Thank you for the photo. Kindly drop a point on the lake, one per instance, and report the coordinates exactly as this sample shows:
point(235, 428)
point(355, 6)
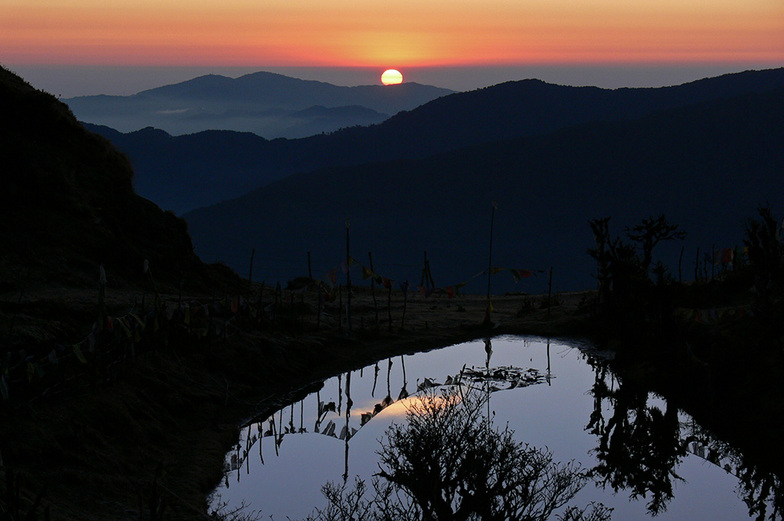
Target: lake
point(554, 395)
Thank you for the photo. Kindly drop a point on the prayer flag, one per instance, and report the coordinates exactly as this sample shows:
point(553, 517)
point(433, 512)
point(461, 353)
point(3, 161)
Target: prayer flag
point(78, 353)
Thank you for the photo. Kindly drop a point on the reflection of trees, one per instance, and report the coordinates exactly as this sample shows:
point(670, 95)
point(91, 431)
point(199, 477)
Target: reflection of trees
point(760, 489)
point(639, 446)
point(447, 462)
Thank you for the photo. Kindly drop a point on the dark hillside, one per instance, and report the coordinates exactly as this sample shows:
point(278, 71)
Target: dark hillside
point(185, 172)
point(706, 166)
point(68, 205)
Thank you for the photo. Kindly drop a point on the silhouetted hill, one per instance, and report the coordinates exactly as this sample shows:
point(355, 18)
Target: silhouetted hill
point(185, 172)
point(706, 166)
point(267, 104)
point(67, 203)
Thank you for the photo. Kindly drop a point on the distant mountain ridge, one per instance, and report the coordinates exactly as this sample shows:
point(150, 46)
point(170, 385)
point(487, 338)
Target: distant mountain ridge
point(707, 166)
point(185, 172)
point(270, 105)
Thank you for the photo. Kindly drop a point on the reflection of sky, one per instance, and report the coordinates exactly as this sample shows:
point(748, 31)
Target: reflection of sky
point(552, 416)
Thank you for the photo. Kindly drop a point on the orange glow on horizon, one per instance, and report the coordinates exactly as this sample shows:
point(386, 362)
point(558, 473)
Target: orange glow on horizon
point(411, 33)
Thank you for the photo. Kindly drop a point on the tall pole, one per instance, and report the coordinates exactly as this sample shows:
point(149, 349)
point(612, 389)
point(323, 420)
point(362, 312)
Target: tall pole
point(487, 321)
point(348, 276)
point(373, 285)
point(490, 256)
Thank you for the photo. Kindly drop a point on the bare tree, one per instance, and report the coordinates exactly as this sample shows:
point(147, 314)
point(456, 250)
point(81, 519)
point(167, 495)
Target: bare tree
point(447, 462)
point(455, 466)
point(652, 231)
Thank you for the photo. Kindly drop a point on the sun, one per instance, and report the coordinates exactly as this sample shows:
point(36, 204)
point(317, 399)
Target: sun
point(391, 77)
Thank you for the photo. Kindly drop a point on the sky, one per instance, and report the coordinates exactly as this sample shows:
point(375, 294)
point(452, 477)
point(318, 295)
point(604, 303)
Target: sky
point(351, 38)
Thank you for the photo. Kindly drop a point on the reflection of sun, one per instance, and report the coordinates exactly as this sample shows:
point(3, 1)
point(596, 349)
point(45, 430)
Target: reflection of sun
point(391, 77)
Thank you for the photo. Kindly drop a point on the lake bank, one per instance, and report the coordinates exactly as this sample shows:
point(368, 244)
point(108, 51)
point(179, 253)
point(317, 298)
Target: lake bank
point(160, 430)
point(155, 437)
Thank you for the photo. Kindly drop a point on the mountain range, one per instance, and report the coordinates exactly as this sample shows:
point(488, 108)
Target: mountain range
point(705, 154)
point(182, 173)
point(267, 104)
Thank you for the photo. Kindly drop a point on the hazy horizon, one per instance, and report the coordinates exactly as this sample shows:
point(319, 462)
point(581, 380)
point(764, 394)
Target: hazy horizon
point(68, 81)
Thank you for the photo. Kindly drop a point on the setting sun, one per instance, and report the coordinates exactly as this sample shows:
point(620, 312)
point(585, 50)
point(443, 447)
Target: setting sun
point(391, 77)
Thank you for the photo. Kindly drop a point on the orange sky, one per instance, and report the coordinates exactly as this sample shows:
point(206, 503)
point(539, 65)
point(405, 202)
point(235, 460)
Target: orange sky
point(389, 33)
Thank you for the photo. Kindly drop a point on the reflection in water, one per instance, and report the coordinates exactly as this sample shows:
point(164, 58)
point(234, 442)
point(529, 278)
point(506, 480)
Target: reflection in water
point(638, 443)
point(639, 446)
point(762, 491)
point(448, 462)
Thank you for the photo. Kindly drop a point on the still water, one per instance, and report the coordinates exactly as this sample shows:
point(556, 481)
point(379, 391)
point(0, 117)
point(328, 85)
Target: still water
point(554, 395)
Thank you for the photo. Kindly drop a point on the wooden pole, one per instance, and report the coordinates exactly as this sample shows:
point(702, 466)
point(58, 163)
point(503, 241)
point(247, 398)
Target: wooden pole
point(680, 264)
point(348, 276)
point(404, 287)
point(373, 285)
point(389, 306)
point(490, 255)
point(340, 307)
point(549, 292)
point(250, 269)
point(487, 321)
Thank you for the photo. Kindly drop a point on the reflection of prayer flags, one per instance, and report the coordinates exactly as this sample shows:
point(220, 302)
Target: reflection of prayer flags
point(366, 273)
point(387, 283)
point(423, 291)
point(450, 291)
point(726, 255)
point(493, 271)
point(377, 278)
